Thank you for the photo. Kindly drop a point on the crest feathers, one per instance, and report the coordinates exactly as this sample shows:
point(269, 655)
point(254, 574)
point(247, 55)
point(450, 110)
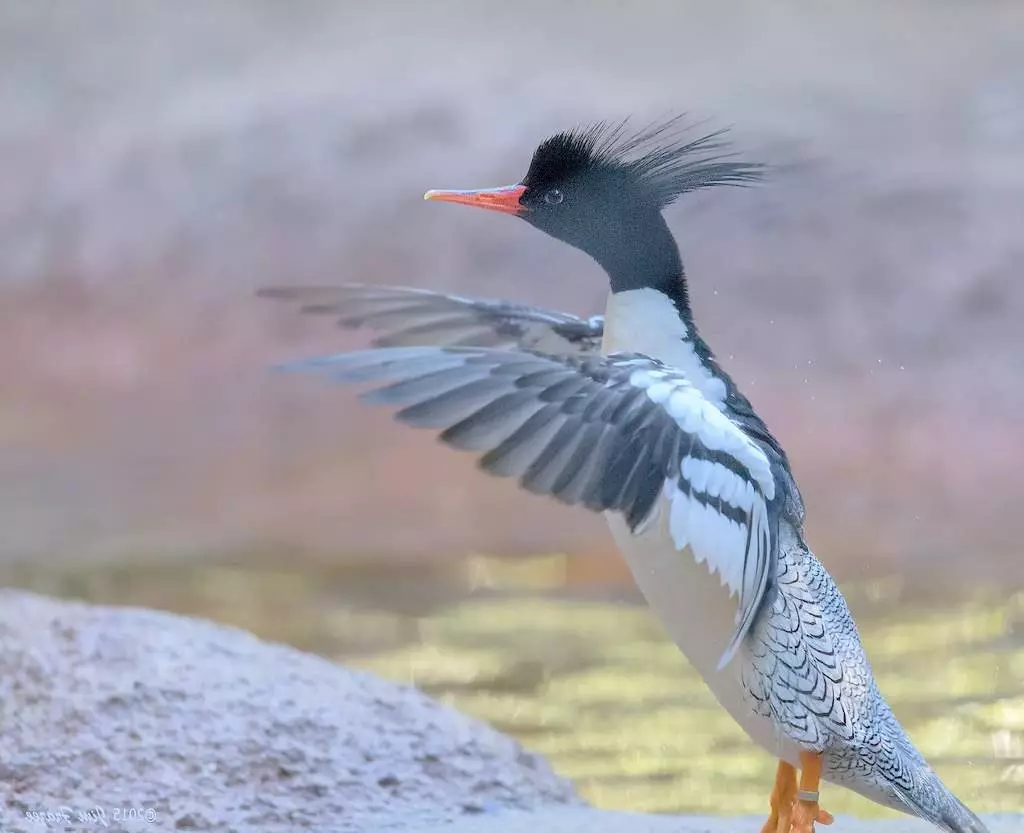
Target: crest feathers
point(663, 158)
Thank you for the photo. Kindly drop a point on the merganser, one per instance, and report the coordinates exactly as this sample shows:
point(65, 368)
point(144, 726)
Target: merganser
point(630, 415)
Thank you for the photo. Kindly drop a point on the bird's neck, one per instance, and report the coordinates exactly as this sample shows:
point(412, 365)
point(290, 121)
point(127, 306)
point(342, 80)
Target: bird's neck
point(649, 310)
point(642, 254)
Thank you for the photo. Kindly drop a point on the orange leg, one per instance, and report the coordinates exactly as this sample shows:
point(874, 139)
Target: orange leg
point(782, 798)
point(806, 810)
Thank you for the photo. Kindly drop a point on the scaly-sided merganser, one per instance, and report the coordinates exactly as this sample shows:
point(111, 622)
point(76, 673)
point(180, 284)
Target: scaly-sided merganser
point(630, 415)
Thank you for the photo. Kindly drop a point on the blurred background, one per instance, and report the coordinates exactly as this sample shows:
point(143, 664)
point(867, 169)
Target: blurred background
point(161, 162)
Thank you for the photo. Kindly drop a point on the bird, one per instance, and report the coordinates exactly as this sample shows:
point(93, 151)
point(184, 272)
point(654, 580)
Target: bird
point(630, 414)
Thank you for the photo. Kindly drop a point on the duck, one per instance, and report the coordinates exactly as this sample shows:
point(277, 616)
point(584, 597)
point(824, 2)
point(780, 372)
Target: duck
point(629, 414)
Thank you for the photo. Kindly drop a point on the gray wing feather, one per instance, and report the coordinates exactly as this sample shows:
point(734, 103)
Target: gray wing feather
point(611, 433)
point(407, 316)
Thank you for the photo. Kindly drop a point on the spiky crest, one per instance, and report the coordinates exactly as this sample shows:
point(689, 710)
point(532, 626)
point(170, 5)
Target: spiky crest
point(663, 157)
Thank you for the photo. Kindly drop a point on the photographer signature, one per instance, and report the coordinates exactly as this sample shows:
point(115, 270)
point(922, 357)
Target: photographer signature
point(96, 816)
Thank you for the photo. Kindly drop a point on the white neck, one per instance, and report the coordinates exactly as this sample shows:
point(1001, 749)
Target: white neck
point(646, 321)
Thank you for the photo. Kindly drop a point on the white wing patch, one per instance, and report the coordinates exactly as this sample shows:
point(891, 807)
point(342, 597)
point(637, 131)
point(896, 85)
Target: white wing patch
point(695, 415)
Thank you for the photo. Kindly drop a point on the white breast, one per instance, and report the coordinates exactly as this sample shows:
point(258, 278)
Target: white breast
point(646, 321)
point(697, 612)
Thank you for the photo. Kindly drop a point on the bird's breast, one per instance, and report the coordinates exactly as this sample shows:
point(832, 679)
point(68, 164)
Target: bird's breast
point(646, 321)
point(697, 612)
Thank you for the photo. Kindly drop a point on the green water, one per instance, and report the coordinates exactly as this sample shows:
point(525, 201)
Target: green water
point(593, 684)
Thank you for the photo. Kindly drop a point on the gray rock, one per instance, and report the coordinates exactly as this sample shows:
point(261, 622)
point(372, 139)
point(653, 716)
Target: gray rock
point(208, 728)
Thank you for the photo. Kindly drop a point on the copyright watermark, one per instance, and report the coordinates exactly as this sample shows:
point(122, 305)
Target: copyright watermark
point(96, 816)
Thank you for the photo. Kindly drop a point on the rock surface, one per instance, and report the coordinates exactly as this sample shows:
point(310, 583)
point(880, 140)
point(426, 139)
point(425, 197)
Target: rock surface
point(188, 725)
point(210, 729)
point(586, 820)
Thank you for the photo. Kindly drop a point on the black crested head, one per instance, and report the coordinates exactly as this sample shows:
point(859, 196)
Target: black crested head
point(658, 163)
point(602, 189)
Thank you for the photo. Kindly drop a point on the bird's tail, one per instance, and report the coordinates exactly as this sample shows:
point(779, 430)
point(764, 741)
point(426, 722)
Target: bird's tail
point(932, 800)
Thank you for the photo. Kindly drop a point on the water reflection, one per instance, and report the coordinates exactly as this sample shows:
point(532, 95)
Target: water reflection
point(589, 679)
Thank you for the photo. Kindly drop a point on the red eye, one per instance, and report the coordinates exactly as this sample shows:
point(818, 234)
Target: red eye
point(554, 197)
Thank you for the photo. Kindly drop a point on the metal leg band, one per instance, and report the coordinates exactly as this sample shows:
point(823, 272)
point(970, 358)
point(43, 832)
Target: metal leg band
point(807, 795)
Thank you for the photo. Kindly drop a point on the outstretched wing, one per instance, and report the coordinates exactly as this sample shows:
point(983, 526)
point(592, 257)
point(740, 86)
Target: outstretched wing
point(608, 432)
point(409, 316)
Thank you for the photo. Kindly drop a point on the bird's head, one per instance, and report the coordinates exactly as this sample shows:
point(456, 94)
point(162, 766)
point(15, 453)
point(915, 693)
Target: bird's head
point(602, 188)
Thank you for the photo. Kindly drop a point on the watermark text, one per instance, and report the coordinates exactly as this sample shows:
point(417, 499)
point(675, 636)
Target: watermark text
point(95, 816)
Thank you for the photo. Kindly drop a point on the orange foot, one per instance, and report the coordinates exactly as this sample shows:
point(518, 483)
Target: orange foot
point(806, 810)
point(805, 814)
point(782, 799)
point(792, 813)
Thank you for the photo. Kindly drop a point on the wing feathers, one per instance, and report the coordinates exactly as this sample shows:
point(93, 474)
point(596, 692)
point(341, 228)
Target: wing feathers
point(493, 423)
point(452, 406)
point(423, 387)
point(613, 433)
point(513, 456)
point(408, 316)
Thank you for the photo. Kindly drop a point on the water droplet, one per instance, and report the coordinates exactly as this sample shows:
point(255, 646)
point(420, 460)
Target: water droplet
point(902, 367)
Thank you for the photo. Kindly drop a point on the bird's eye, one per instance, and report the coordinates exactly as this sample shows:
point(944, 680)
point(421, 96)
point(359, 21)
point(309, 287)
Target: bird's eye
point(554, 197)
